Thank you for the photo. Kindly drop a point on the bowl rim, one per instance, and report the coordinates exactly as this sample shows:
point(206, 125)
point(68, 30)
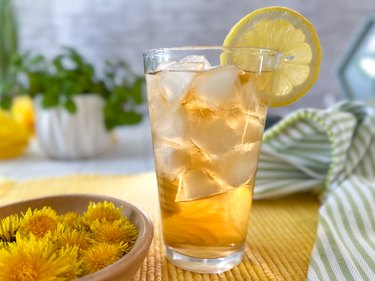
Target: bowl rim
point(141, 245)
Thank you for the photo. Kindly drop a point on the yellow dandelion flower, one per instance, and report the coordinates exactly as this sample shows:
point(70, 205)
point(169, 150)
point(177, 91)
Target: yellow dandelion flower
point(39, 222)
point(32, 259)
point(102, 211)
point(119, 231)
point(8, 228)
point(70, 219)
point(54, 236)
point(99, 256)
point(75, 237)
point(70, 256)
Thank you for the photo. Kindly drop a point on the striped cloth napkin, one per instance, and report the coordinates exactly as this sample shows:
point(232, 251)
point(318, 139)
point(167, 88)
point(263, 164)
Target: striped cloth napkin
point(331, 152)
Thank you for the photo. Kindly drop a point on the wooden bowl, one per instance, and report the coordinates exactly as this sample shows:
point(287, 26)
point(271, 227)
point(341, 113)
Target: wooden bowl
point(124, 268)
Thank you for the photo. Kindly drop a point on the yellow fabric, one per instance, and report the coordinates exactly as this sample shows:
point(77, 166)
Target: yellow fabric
point(280, 239)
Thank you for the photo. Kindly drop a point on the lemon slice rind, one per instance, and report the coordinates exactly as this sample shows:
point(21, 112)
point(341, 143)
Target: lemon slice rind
point(294, 37)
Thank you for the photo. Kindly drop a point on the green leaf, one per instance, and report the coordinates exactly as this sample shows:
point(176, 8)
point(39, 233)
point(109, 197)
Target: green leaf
point(75, 56)
point(70, 106)
point(37, 60)
point(57, 81)
point(51, 96)
point(129, 118)
point(99, 88)
point(121, 118)
point(49, 101)
point(36, 83)
point(5, 102)
point(88, 70)
point(121, 93)
point(57, 62)
point(68, 88)
point(137, 91)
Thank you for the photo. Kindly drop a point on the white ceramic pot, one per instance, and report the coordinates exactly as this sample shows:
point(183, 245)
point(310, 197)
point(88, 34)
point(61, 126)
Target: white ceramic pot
point(80, 135)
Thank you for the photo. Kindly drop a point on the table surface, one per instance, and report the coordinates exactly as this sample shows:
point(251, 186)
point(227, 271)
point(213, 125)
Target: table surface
point(270, 255)
point(131, 154)
point(280, 238)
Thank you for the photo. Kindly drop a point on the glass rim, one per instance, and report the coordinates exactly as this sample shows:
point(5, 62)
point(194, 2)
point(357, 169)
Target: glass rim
point(263, 51)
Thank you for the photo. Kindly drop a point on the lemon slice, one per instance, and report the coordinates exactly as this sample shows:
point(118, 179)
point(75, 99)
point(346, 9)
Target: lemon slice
point(294, 37)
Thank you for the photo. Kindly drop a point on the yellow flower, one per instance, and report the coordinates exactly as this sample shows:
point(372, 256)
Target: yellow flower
point(70, 256)
point(42, 246)
point(8, 228)
point(74, 237)
point(102, 211)
point(119, 231)
point(99, 256)
point(32, 259)
point(70, 219)
point(39, 222)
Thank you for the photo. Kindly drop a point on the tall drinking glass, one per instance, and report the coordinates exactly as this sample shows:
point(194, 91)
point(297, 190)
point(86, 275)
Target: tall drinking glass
point(207, 108)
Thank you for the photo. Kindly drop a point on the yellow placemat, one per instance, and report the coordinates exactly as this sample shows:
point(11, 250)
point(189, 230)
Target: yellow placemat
point(280, 239)
point(5, 185)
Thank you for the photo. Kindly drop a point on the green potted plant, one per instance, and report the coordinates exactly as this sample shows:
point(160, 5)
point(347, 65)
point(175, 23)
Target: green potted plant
point(8, 47)
point(76, 110)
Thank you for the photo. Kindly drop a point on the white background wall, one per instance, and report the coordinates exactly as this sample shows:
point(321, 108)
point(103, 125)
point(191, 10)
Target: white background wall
point(103, 29)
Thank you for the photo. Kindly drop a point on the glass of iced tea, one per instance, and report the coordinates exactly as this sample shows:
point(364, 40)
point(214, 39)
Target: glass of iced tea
point(207, 115)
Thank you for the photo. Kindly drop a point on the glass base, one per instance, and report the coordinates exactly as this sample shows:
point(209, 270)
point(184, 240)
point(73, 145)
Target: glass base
point(200, 265)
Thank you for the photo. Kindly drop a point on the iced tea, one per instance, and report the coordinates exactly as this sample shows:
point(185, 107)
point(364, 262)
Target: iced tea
point(207, 132)
point(207, 124)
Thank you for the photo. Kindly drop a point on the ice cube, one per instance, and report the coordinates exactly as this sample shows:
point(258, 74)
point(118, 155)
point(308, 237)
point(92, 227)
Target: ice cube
point(197, 184)
point(171, 124)
point(253, 99)
point(167, 195)
point(197, 59)
point(236, 167)
point(168, 118)
point(175, 84)
point(221, 131)
point(247, 126)
point(164, 65)
point(213, 135)
point(156, 101)
point(216, 87)
point(171, 161)
point(177, 77)
point(186, 66)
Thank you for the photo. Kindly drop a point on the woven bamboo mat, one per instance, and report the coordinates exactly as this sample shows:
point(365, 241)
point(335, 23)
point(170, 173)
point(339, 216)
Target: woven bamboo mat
point(280, 236)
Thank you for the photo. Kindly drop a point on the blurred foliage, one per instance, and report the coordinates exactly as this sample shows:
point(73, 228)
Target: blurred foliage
point(8, 38)
point(127, 90)
point(8, 47)
point(69, 74)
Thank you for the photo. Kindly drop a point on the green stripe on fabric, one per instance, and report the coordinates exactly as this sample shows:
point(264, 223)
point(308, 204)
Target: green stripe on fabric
point(335, 150)
point(351, 249)
point(314, 276)
point(330, 263)
point(359, 220)
point(366, 199)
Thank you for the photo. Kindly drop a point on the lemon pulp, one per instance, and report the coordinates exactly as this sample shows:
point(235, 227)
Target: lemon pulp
point(294, 37)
